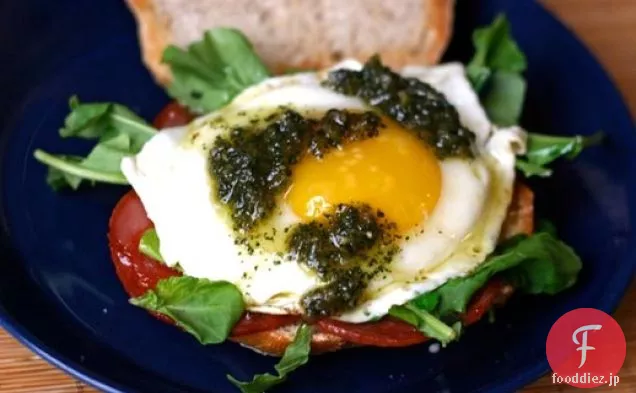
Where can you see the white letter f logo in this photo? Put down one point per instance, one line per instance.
(584, 347)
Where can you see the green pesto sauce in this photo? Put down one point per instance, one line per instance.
(251, 167)
(414, 104)
(347, 249)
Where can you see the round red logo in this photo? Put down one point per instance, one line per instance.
(586, 348)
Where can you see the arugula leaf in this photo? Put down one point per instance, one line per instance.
(494, 50)
(56, 178)
(504, 99)
(530, 169)
(105, 120)
(539, 263)
(495, 72)
(149, 245)
(296, 355)
(544, 149)
(119, 132)
(536, 264)
(541, 276)
(478, 75)
(207, 310)
(425, 322)
(70, 171)
(428, 303)
(214, 70)
(547, 226)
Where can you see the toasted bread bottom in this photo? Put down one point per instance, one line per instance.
(274, 342)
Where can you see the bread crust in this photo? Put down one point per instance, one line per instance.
(442, 19)
(274, 342)
(520, 219)
(439, 16)
(155, 35)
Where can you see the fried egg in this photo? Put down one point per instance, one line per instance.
(448, 212)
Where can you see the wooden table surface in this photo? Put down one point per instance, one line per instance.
(608, 27)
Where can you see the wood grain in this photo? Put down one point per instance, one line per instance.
(607, 27)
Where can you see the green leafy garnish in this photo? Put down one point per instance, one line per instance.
(544, 149)
(119, 133)
(494, 50)
(296, 354)
(70, 171)
(55, 177)
(536, 264)
(149, 245)
(207, 310)
(425, 322)
(98, 120)
(547, 226)
(495, 72)
(541, 248)
(505, 97)
(530, 169)
(213, 70)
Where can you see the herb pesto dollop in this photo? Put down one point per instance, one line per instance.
(414, 104)
(251, 167)
(346, 249)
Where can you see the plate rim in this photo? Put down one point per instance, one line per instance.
(522, 377)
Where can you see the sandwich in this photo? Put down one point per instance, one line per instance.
(325, 185)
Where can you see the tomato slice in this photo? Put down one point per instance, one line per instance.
(257, 322)
(494, 293)
(139, 273)
(173, 115)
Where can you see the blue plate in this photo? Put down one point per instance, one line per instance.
(58, 291)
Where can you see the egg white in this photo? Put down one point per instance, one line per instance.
(171, 177)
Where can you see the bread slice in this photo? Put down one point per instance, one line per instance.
(274, 342)
(520, 219)
(301, 33)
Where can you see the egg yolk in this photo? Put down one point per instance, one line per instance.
(393, 172)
